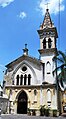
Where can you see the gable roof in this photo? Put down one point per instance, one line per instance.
(24, 57)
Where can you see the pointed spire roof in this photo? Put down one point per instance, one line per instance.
(47, 22)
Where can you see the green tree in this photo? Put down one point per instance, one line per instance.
(60, 59)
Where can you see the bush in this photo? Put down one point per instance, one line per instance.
(47, 112)
(42, 110)
(54, 113)
(34, 112)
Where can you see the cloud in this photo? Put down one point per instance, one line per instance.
(22, 15)
(5, 3)
(53, 6)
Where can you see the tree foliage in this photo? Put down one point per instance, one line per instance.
(60, 59)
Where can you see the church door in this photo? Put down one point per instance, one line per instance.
(22, 103)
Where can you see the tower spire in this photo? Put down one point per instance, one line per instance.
(48, 35)
(47, 22)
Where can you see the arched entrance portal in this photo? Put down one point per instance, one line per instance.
(22, 103)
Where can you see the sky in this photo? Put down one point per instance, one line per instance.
(19, 22)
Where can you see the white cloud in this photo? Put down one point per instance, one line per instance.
(53, 6)
(4, 3)
(22, 15)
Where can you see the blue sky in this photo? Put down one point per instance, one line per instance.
(19, 22)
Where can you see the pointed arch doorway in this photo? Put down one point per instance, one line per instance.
(22, 103)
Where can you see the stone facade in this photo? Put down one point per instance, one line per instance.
(29, 82)
(33, 100)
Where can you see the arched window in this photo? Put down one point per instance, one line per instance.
(21, 80)
(35, 95)
(17, 82)
(48, 96)
(25, 79)
(48, 67)
(29, 79)
(12, 82)
(49, 43)
(35, 92)
(44, 43)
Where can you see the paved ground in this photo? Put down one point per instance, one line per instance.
(28, 117)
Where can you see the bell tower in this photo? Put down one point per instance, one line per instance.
(48, 36)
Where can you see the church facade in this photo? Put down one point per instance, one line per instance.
(29, 82)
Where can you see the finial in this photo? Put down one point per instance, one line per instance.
(25, 50)
(25, 46)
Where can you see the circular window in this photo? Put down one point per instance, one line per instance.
(24, 68)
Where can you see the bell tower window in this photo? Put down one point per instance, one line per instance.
(44, 43)
(49, 43)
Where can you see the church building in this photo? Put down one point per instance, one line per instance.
(29, 82)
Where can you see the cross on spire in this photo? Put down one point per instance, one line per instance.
(47, 4)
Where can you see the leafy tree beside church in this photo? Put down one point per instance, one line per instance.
(60, 58)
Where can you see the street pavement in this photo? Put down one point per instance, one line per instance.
(28, 117)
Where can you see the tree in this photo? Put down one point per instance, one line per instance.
(60, 59)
